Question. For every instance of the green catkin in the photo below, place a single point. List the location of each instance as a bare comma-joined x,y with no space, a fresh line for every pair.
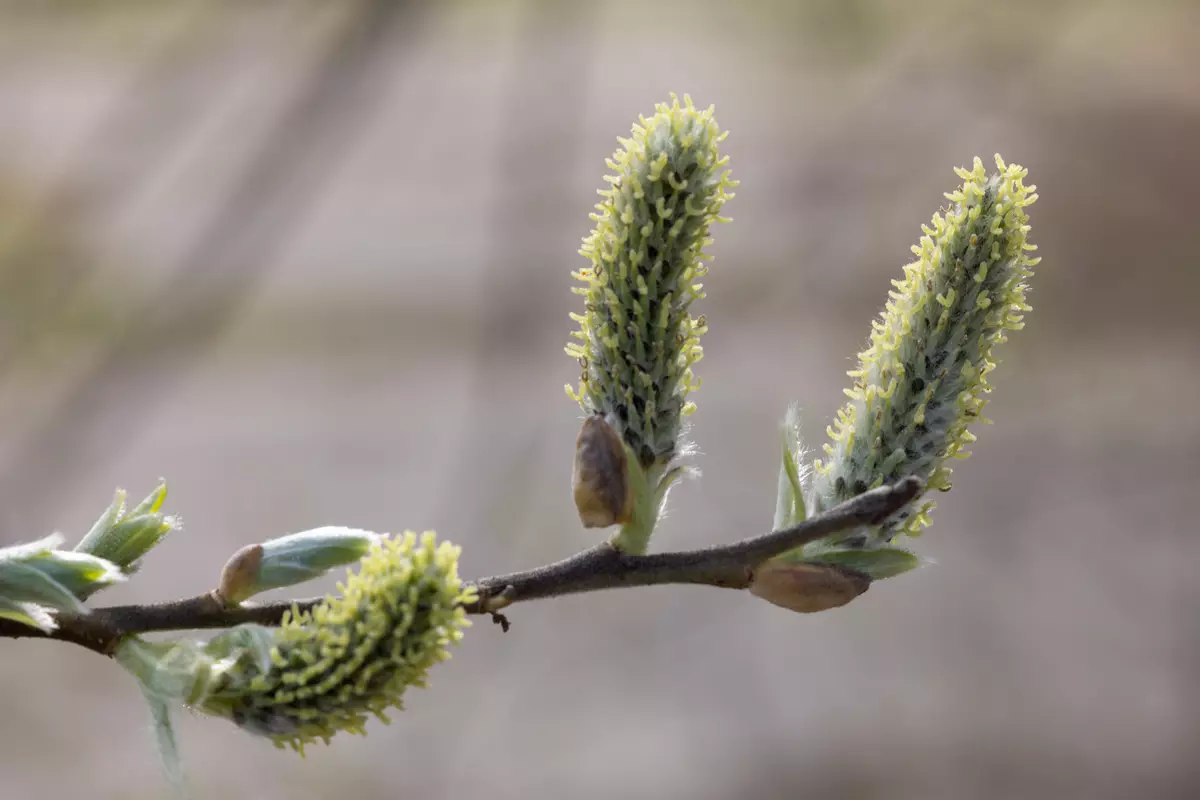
923,378
637,340
354,654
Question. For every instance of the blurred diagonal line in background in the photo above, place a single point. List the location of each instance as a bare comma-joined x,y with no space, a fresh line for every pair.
535,157
146,118
547,102
220,271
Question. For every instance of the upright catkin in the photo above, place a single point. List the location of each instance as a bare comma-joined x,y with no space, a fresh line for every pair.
637,340
923,377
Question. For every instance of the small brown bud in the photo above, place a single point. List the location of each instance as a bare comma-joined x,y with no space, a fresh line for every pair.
603,494
807,587
239,575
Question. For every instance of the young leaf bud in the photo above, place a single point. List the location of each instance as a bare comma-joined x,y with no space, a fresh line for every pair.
239,575
298,557
123,536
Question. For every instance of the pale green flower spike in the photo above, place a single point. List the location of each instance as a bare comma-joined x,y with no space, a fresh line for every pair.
637,340
351,655
923,377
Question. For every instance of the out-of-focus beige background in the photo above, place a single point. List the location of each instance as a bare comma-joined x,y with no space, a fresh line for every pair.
310,262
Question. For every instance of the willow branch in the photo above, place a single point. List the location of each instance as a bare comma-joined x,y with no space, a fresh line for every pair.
728,566
602,567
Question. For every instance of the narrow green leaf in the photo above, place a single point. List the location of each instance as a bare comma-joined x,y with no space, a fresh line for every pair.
82,574
884,562
35,572
22,583
27,614
153,502
789,503
111,516
166,673
246,643
795,451
124,537
27,550
799,513
784,503
634,537
167,745
133,537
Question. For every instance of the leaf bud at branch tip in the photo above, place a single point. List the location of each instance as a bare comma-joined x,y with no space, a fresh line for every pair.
123,536
289,560
240,575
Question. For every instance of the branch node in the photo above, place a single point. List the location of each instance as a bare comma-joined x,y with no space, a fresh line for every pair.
897,495
734,566
490,604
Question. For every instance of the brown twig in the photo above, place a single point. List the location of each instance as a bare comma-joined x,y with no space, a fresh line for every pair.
602,567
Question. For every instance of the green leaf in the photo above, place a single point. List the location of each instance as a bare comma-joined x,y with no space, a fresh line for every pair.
634,537
175,671
250,643
21,582
784,506
153,502
168,673
168,746
29,614
799,512
880,563
789,503
133,537
80,573
27,550
111,516
35,574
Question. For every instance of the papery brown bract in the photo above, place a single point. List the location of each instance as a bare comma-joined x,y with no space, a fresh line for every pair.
600,480
807,588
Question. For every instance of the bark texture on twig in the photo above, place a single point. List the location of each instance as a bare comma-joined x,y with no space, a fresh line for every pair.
602,567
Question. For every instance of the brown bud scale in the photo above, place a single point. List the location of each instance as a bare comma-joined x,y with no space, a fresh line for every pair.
807,588
603,493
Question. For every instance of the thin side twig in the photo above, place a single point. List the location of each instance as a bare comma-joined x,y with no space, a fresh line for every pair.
602,567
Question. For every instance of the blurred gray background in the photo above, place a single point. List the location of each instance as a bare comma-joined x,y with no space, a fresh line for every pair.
310,261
